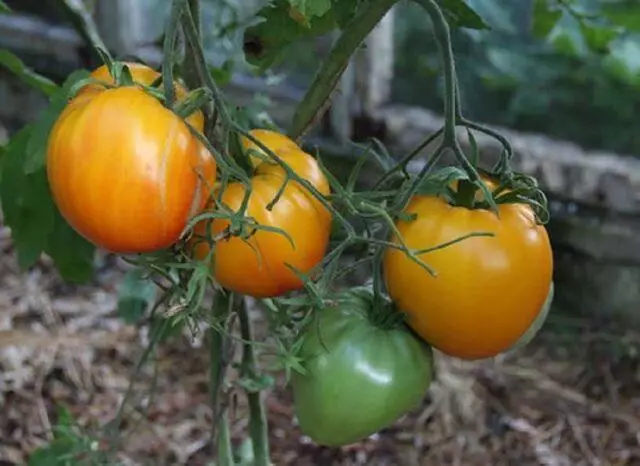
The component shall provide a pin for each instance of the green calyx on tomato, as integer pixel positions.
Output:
(362, 371)
(164, 172)
(295, 224)
(488, 289)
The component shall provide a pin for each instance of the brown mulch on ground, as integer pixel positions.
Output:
(554, 403)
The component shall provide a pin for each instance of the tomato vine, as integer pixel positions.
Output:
(366, 224)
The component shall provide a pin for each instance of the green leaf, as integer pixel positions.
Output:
(266, 42)
(545, 17)
(135, 295)
(567, 38)
(26, 202)
(72, 255)
(4, 8)
(345, 10)
(30, 77)
(462, 15)
(625, 14)
(598, 38)
(36, 224)
(304, 10)
(222, 74)
(37, 147)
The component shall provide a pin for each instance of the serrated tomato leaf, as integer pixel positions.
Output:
(462, 15)
(12, 63)
(266, 41)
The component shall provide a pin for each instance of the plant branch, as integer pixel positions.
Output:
(443, 41)
(82, 21)
(258, 428)
(190, 70)
(168, 50)
(218, 364)
(334, 65)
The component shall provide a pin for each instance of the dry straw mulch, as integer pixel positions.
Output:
(556, 403)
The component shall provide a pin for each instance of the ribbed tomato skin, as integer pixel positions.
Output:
(488, 290)
(126, 172)
(257, 266)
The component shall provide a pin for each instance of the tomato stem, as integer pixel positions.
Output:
(218, 345)
(318, 94)
(466, 193)
(168, 50)
(189, 67)
(258, 428)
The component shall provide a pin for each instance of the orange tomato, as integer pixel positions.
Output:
(275, 141)
(144, 75)
(257, 266)
(488, 290)
(126, 172)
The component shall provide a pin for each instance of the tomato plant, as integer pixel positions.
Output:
(267, 263)
(488, 290)
(363, 369)
(205, 202)
(125, 171)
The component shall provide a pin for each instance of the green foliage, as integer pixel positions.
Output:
(135, 295)
(569, 68)
(28, 76)
(286, 22)
(35, 222)
(545, 17)
(307, 9)
(4, 8)
(461, 15)
(266, 42)
(69, 446)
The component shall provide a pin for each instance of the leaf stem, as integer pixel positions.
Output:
(443, 41)
(326, 79)
(190, 70)
(258, 428)
(83, 22)
(168, 50)
(221, 441)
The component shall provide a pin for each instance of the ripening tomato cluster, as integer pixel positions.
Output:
(128, 174)
(490, 294)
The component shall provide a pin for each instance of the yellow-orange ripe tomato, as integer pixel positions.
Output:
(126, 172)
(488, 290)
(257, 266)
(141, 74)
(276, 142)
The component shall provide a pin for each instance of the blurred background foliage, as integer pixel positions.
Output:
(576, 79)
(566, 68)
